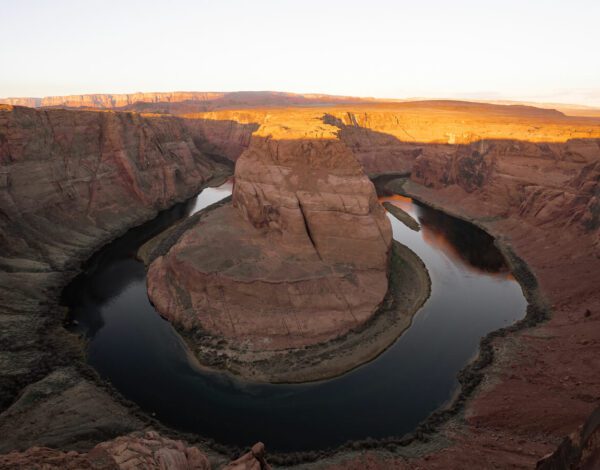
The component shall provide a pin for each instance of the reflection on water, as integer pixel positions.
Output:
(473, 248)
(130, 344)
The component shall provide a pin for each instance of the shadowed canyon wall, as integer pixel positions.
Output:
(69, 182)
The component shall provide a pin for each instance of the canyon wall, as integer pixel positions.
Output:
(69, 182)
(388, 137)
(69, 178)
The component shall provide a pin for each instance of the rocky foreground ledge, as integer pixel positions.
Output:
(142, 450)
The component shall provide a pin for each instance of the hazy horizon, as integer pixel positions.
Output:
(541, 51)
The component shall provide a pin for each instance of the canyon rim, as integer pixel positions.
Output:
(247, 280)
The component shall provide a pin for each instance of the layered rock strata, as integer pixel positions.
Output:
(148, 450)
(300, 257)
(69, 182)
(534, 190)
(388, 137)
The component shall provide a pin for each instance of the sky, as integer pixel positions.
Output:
(538, 50)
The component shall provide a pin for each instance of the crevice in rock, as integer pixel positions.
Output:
(307, 228)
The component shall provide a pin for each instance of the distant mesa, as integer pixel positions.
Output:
(181, 101)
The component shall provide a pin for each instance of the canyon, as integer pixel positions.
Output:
(71, 180)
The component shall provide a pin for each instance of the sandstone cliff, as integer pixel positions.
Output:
(299, 259)
(388, 137)
(69, 182)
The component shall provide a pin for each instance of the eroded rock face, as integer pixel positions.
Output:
(148, 450)
(579, 450)
(301, 257)
(69, 182)
(543, 183)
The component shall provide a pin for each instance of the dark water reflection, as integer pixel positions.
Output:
(473, 293)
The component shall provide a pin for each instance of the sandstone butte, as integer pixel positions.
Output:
(299, 258)
(530, 177)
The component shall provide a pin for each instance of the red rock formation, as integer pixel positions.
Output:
(388, 137)
(253, 460)
(149, 451)
(301, 257)
(70, 179)
(532, 181)
(580, 450)
(69, 182)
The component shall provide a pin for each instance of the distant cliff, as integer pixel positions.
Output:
(180, 101)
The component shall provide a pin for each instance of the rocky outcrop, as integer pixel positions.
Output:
(253, 460)
(69, 182)
(578, 451)
(64, 410)
(555, 184)
(300, 258)
(148, 450)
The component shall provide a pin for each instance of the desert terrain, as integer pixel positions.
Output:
(305, 230)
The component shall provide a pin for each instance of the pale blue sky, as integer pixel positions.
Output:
(520, 49)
